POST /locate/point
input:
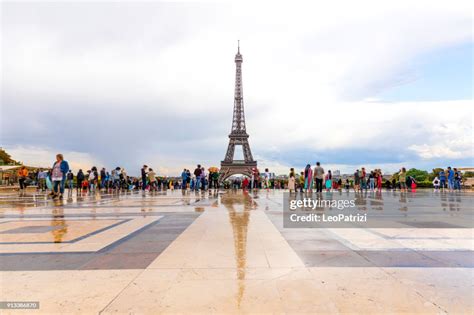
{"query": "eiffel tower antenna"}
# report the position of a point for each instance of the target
(238, 134)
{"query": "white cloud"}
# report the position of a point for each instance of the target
(45, 157)
(134, 83)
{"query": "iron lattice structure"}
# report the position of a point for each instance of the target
(238, 134)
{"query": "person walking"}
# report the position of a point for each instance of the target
(22, 176)
(318, 177)
(308, 178)
(58, 176)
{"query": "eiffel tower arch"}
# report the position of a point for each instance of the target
(238, 135)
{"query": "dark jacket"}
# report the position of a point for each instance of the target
(197, 172)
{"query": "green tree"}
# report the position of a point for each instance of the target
(6, 159)
(434, 173)
(468, 174)
(418, 175)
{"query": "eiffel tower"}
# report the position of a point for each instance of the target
(238, 134)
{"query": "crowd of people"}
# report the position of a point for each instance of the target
(60, 176)
(316, 179)
(448, 179)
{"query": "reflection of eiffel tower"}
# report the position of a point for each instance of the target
(238, 134)
(239, 221)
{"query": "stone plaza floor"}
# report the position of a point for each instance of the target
(228, 252)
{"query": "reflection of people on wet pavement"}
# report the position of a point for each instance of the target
(59, 225)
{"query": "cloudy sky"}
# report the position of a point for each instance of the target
(376, 83)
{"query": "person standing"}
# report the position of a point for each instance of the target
(457, 179)
(372, 181)
(300, 182)
(70, 179)
(124, 175)
(266, 176)
(144, 173)
(152, 180)
(379, 179)
(347, 185)
(402, 178)
(22, 176)
(245, 183)
(308, 178)
(363, 179)
(184, 179)
(114, 179)
(254, 180)
(58, 176)
(356, 181)
(329, 181)
(319, 176)
(215, 180)
(91, 179)
(103, 178)
(79, 178)
(197, 174)
(203, 179)
(42, 180)
(450, 178)
(188, 184)
(442, 179)
(292, 181)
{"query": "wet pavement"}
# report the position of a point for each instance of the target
(228, 252)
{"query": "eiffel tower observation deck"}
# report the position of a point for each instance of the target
(238, 135)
